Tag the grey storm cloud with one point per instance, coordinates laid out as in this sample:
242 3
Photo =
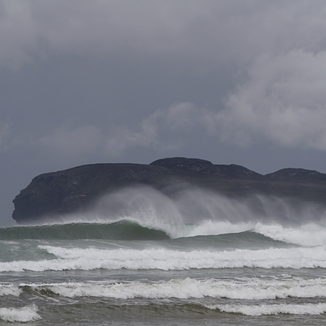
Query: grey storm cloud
177 121
277 49
68 140
193 31
120 80
4 131
283 100
153 131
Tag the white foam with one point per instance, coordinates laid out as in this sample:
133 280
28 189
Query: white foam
210 227
167 259
274 309
9 290
309 234
244 289
21 315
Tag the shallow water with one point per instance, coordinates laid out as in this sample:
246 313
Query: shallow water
254 277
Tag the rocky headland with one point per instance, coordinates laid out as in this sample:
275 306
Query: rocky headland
73 190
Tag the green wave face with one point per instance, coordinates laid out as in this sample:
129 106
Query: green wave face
131 231
122 230
248 240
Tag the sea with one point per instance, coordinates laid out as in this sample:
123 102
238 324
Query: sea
199 260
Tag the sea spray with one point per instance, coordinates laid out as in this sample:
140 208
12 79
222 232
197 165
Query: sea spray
196 210
193 212
143 205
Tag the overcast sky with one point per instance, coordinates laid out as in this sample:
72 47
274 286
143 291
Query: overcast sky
87 81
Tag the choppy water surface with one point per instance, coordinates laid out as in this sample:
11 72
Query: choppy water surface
143 270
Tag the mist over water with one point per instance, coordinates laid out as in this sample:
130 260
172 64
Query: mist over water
194 212
144 213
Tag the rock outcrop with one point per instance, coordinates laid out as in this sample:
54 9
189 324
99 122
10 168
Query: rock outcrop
73 190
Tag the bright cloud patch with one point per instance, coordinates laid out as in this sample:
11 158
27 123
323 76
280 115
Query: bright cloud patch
283 100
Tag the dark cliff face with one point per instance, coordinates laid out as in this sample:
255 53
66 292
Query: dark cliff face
185 164
297 175
73 190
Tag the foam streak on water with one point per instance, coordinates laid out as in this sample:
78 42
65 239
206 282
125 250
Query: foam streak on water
241 289
259 310
169 259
